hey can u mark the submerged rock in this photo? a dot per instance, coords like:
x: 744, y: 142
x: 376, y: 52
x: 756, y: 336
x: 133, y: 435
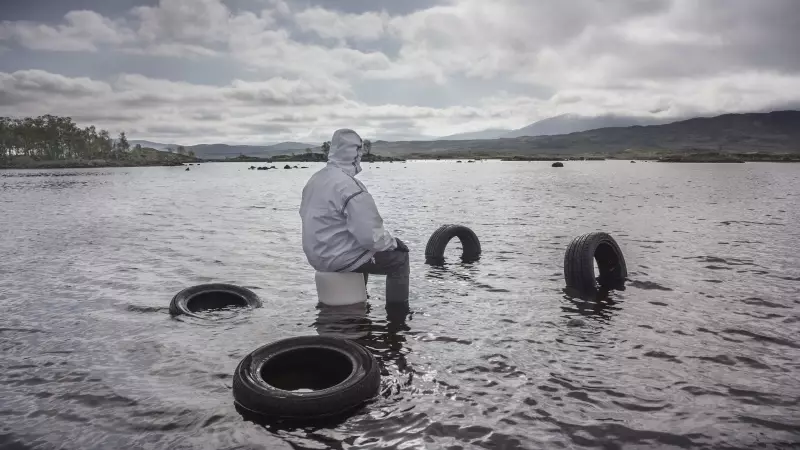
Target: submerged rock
x: 287, y: 167
x: 558, y: 164
x: 576, y: 323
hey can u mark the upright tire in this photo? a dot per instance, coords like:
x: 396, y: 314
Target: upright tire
x: 579, y: 263
x: 305, y: 378
x: 437, y: 243
x: 204, y: 297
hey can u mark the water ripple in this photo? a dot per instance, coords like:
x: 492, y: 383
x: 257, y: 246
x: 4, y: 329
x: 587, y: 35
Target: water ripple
x: 700, y: 351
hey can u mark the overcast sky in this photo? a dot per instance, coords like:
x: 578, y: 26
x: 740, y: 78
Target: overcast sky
x: 255, y: 71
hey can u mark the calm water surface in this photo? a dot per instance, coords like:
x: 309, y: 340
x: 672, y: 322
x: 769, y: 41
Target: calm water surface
x: 702, y: 350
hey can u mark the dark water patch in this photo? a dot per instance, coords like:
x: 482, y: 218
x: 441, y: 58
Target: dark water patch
x: 614, y: 436
x: 648, y: 285
x: 717, y: 260
x: 756, y: 301
x: 758, y: 316
x: 147, y: 309
x: 719, y: 359
x: 762, y: 337
x: 447, y: 339
x: 748, y: 223
x: 699, y: 391
x: 752, y: 362
x: 20, y: 330
x: 94, y: 400
x: 662, y: 355
x: 788, y: 278
x: 762, y: 398
x: 791, y: 426
x: 641, y: 408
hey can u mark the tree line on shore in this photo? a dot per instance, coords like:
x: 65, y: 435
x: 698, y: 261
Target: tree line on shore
x: 54, y: 138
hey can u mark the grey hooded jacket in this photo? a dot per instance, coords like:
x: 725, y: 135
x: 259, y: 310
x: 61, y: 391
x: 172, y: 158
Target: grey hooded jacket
x: 342, y: 228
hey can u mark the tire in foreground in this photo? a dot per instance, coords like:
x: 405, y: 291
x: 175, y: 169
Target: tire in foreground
x: 305, y: 378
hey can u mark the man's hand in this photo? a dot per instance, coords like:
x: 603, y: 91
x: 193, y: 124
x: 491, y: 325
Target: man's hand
x: 401, y: 247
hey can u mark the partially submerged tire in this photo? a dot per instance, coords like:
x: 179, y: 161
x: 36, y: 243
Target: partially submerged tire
x: 579, y: 263
x: 437, y: 243
x: 305, y: 378
x: 215, y: 296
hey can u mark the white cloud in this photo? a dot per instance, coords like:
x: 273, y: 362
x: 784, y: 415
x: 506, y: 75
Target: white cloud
x: 368, y: 26
x: 184, y: 20
x: 38, y: 85
x: 81, y: 31
x: 307, y: 66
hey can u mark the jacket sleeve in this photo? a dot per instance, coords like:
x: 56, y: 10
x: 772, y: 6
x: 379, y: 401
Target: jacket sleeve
x: 366, y: 224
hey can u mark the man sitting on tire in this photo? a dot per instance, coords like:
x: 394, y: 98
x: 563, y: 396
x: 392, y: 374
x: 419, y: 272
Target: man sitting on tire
x: 342, y: 228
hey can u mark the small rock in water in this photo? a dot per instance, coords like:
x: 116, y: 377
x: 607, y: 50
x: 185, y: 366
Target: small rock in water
x: 576, y: 323
x: 287, y: 167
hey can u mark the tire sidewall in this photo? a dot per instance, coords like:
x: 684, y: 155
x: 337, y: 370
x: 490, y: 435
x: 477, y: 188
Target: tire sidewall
x: 253, y: 394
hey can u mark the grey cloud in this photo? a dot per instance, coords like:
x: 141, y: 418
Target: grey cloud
x: 393, y: 7
x: 263, y: 128
x: 174, y: 130
x: 405, y: 68
x: 207, y: 115
x: 24, y: 83
x: 284, y: 92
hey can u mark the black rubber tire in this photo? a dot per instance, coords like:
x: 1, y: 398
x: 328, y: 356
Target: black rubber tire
x: 255, y: 396
x: 232, y: 295
x: 579, y: 263
x: 437, y: 243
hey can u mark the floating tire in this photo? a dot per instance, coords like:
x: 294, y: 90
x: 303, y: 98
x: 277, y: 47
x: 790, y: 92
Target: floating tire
x: 305, y: 378
x: 579, y: 263
x: 204, y: 297
x: 434, y: 251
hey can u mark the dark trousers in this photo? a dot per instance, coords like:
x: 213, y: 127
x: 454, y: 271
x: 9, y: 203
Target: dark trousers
x: 394, y: 265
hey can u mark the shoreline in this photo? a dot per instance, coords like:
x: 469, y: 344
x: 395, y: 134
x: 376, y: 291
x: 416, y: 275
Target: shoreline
x: 684, y: 159
x: 84, y: 164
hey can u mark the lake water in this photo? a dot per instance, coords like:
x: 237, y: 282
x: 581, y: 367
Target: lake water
x: 702, y: 350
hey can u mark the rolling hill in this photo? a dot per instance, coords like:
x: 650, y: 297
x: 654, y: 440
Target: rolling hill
x: 573, y: 123
x: 222, y: 151
x: 774, y: 132
x: 563, y: 124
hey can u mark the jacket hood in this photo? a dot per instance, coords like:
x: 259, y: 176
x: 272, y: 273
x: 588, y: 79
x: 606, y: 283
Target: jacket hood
x: 345, y: 152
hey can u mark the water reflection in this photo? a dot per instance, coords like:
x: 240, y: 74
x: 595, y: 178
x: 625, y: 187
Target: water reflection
x: 598, y: 305
x: 385, y: 338
x: 343, y: 321
x: 465, y: 271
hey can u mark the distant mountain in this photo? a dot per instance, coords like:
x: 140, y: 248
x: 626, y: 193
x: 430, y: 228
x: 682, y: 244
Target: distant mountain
x: 485, y: 134
x: 221, y: 151
x: 563, y: 124
x: 774, y: 132
x: 151, y: 144
x: 573, y: 123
